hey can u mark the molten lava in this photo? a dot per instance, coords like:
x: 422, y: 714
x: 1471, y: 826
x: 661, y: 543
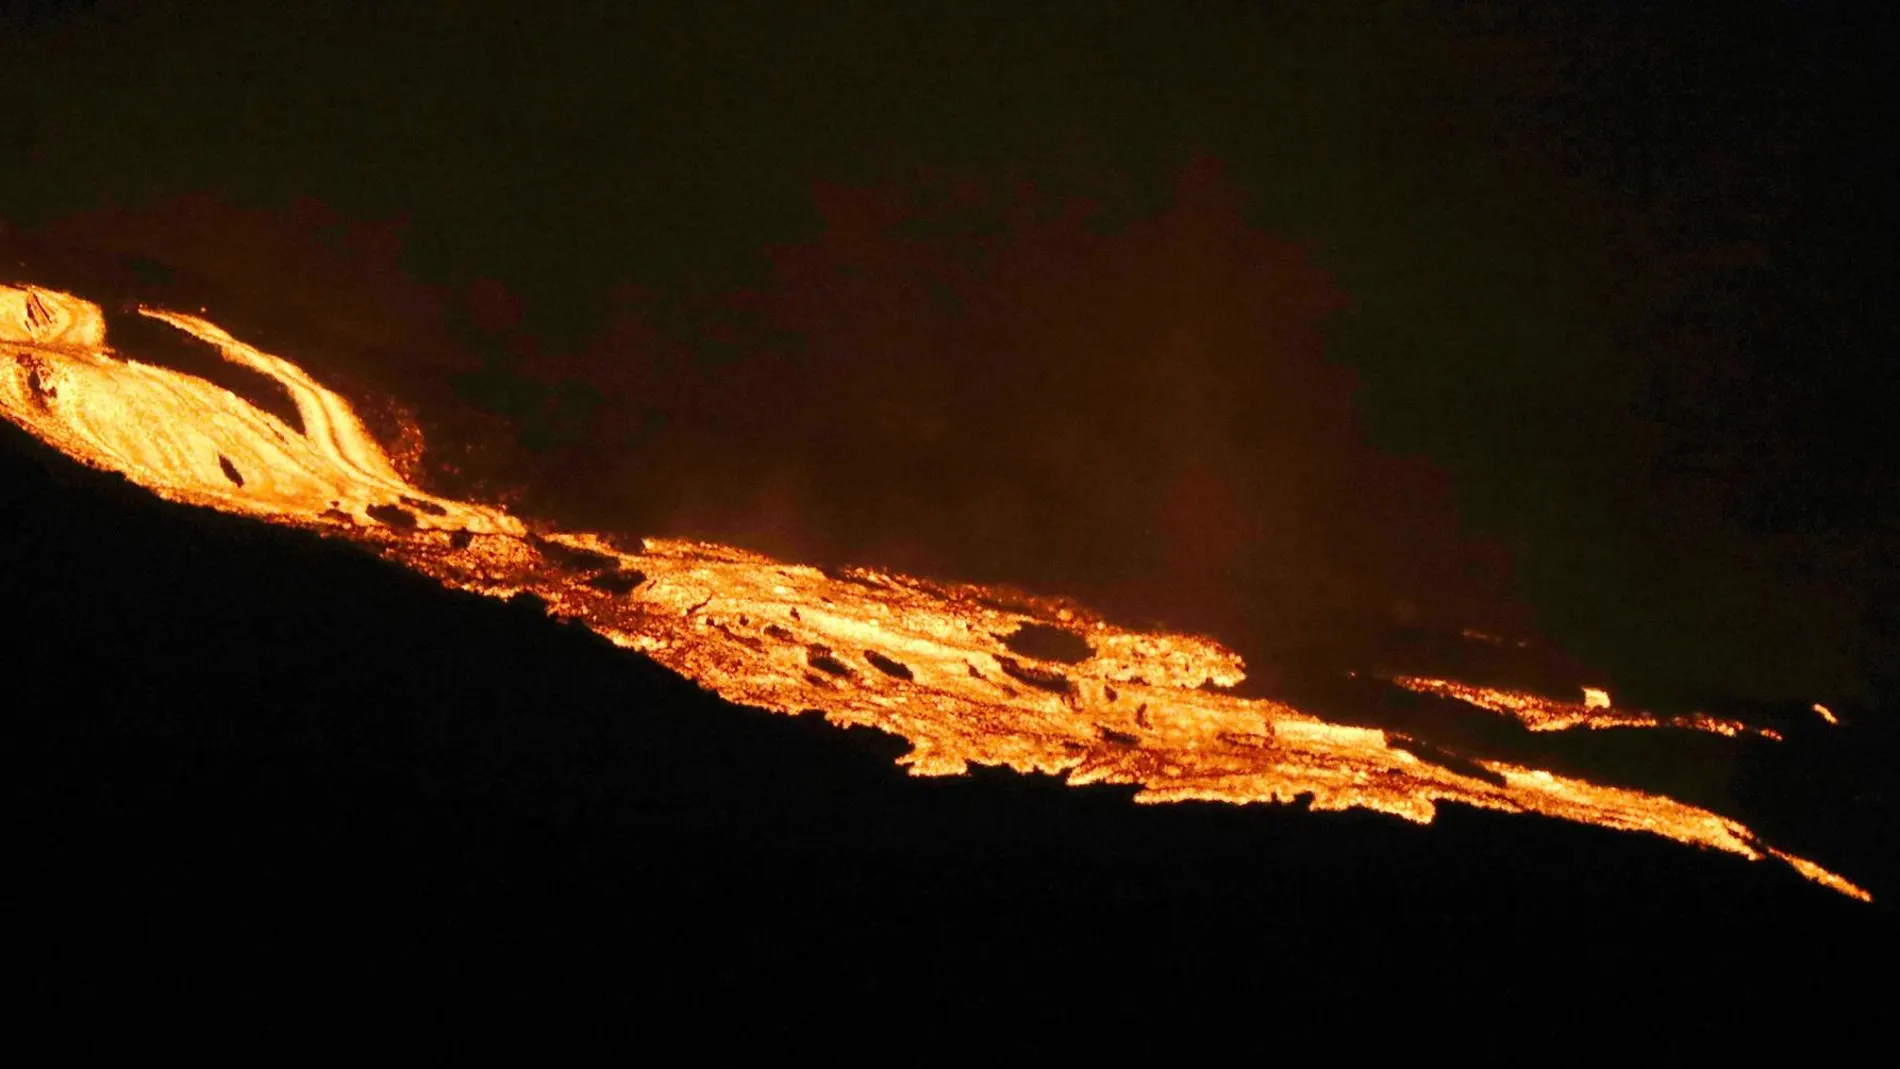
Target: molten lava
x: 926, y: 661
x: 1538, y: 713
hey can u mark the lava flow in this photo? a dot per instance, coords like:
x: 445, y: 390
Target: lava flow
x: 923, y: 660
x: 1538, y: 713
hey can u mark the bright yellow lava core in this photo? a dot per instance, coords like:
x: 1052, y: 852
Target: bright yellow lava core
x: 923, y: 660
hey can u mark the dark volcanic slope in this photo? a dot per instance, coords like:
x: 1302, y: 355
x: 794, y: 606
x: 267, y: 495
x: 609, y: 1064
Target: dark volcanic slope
x: 262, y: 780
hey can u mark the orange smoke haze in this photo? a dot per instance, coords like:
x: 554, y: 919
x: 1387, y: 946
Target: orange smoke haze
x: 947, y: 378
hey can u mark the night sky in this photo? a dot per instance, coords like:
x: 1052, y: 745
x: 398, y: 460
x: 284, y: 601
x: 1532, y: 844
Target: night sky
x: 1286, y: 324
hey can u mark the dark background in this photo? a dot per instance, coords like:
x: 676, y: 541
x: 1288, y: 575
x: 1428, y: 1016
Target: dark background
x: 1301, y: 326
x: 1597, y: 288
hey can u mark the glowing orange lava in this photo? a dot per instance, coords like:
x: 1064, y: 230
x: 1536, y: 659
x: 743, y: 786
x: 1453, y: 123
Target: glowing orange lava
x: 922, y: 660
x: 1539, y: 713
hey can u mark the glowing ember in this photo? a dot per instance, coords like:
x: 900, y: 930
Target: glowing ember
x: 1826, y: 714
x: 926, y: 661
